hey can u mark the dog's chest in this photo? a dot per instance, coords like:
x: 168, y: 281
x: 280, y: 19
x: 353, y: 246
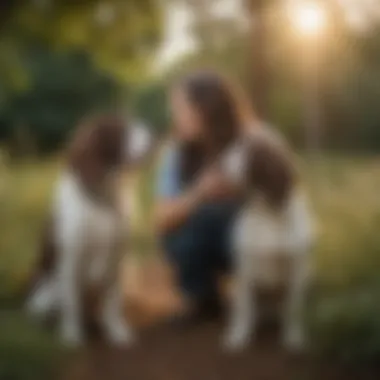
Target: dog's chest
x: 101, y: 223
x: 261, y: 230
x: 101, y: 234
x: 93, y: 227
x: 272, y: 241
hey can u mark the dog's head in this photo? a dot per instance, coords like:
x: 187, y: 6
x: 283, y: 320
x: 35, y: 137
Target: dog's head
x: 262, y: 163
x: 105, y: 144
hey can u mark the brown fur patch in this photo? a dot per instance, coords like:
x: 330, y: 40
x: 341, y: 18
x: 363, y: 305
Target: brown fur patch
x: 97, y: 150
x: 271, y: 171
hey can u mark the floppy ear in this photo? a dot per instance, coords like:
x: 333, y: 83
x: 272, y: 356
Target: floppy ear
x: 84, y: 154
x: 96, y: 149
x: 271, y: 171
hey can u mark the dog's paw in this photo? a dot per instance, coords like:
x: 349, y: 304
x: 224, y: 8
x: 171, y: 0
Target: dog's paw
x: 121, y: 336
x: 294, y: 339
x: 72, y: 338
x: 37, y: 306
x: 235, y: 342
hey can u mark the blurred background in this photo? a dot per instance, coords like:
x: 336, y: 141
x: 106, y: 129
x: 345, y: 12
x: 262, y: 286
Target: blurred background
x: 312, y: 68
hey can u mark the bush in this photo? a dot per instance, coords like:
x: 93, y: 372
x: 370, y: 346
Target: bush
x: 26, y: 352
x: 344, y: 313
x: 149, y: 103
x: 346, y: 326
x: 62, y: 89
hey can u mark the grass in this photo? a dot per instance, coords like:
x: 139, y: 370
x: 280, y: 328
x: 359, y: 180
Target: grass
x: 27, y: 352
x: 344, y: 197
x: 344, y: 315
x: 24, y: 201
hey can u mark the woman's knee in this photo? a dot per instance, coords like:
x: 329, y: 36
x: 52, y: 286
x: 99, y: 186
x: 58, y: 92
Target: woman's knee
x: 181, y: 248
x: 205, y: 231
x: 191, y: 235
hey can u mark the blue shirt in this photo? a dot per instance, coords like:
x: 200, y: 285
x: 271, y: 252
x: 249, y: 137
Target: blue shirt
x: 168, y: 182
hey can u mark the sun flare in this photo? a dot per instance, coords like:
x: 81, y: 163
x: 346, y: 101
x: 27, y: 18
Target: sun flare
x: 308, y: 19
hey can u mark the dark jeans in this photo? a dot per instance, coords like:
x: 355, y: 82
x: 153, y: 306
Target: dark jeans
x: 200, y: 249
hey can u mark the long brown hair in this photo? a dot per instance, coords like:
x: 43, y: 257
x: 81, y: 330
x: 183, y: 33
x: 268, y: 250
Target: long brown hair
x: 223, y: 113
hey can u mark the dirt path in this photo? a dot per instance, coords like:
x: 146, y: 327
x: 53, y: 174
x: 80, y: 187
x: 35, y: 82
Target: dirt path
x: 163, y: 353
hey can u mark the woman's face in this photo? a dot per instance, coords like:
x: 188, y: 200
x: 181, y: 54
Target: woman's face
x: 186, y: 118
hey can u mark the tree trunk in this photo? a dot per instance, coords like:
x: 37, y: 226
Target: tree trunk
x: 259, y: 65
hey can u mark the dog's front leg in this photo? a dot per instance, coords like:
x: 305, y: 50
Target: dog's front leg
x: 242, y: 313
x: 68, y: 267
x: 116, y: 327
x: 294, y: 334
x: 113, y: 311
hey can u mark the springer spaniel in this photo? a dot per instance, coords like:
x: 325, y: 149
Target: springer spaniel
x: 82, y: 244
x: 274, y: 224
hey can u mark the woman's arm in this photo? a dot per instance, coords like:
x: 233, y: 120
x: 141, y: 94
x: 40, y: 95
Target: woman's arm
x: 172, y: 212
x: 174, y: 206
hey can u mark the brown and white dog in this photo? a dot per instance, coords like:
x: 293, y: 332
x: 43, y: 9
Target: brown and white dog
x: 82, y: 241
x: 274, y: 224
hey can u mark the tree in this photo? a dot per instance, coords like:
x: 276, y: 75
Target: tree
x: 60, y: 59
x: 63, y: 88
x: 259, y: 65
x: 121, y: 36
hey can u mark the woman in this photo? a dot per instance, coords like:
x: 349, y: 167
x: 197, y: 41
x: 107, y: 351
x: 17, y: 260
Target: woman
x: 195, y: 204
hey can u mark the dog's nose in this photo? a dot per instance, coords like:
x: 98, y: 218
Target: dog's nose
x: 140, y: 142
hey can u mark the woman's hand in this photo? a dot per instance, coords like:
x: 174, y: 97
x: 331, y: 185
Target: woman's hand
x: 210, y: 186
x: 213, y: 185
